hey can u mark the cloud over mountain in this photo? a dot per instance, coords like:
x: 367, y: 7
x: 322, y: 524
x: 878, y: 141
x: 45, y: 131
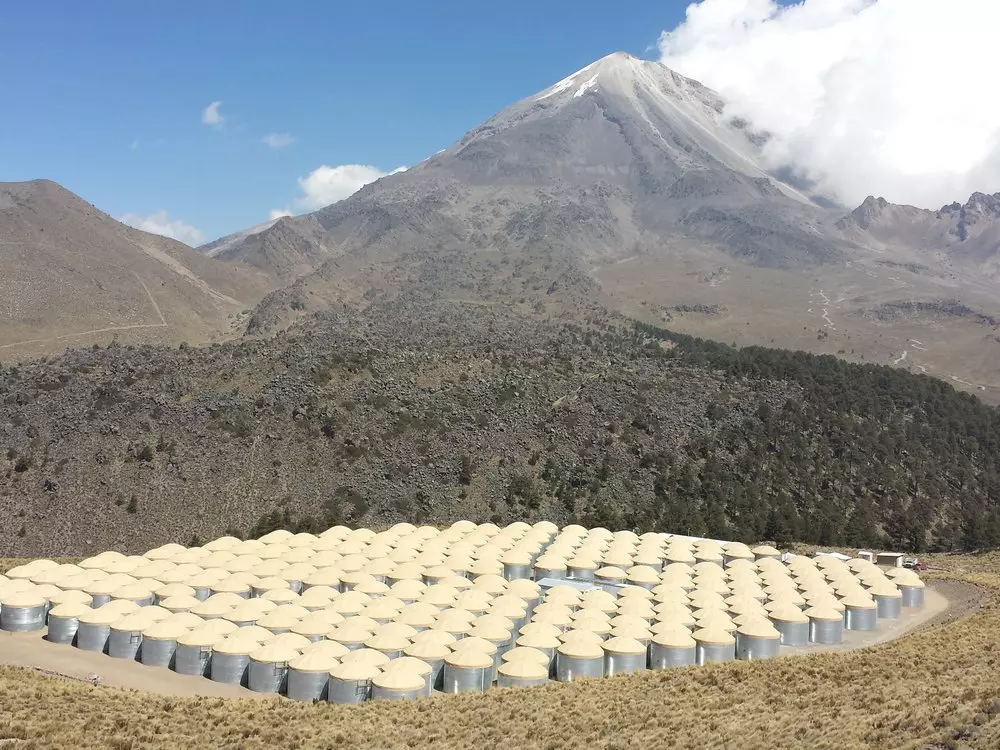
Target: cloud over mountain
x: 863, y: 96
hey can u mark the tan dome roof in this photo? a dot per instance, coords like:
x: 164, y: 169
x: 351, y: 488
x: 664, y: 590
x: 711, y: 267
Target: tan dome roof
x: 470, y: 658
x: 69, y: 610
x: 524, y: 669
x: 400, y: 679
x: 713, y: 636
x: 354, y: 670
x: 675, y: 637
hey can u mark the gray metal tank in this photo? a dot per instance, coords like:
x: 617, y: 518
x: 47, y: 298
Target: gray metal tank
x: 522, y: 673
x: 194, y: 651
x: 159, y: 643
x: 64, y: 621
x: 672, y: 649
x: 792, y: 624
x: 95, y: 629
x: 757, y: 640
x: 231, y: 660
x: 23, y: 612
x: 126, y: 636
x: 624, y: 656
x: 93, y: 637
x: 860, y: 614
x: 549, y: 568
x: 579, y: 659
x: 268, y: 668
x: 516, y: 565
x: 350, y: 684
x: 888, y: 601
x: 398, y: 685
x: 581, y: 570
x: 913, y: 595
x: 467, y: 671
x: 825, y: 625
x: 309, y: 674
x: 713, y: 645
x: 432, y: 654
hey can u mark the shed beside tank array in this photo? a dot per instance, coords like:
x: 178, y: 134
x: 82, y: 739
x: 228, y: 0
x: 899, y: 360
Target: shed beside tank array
x: 351, y: 615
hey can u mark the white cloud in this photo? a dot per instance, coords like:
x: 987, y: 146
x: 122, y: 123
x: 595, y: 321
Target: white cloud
x: 212, y: 116
x: 161, y: 223
x: 326, y: 185
x: 884, y: 97
x: 277, y: 213
x: 278, y: 140
x: 135, y: 145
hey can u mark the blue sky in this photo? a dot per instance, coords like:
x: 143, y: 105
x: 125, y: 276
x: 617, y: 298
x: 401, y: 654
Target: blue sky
x: 108, y: 98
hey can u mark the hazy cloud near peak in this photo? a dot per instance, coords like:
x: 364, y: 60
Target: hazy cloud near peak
x: 278, y: 140
x: 884, y: 97
x: 161, y: 223
x: 212, y: 116
x: 326, y: 185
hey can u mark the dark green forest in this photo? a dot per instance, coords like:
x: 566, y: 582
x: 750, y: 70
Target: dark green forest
x: 868, y: 455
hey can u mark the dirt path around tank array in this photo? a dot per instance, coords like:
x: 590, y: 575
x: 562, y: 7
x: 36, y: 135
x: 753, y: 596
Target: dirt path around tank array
x: 945, y: 601
x: 32, y: 651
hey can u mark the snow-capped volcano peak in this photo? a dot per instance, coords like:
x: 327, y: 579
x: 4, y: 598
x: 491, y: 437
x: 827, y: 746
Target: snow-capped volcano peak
x: 616, y: 64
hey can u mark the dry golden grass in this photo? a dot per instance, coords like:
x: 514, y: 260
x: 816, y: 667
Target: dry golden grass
x: 927, y: 687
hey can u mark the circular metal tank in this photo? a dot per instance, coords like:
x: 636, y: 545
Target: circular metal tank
x: 309, y: 674
x: 351, y: 683
x: 351, y: 634
x: 64, y: 620
x: 231, y: 659
x: 826, y: 625
x: 623, y: 656
x: 861, y: 612
x: 193, y: 655
x: 415, y: 666
x: 766, y: 552
x: 95, y: 627
x: 516, y: 565
x: 398, y: 685
x: 888, y: 600
x: 672, y: 648
x: 268, y: 668
x: 126, y: 635
x: 23, y: 612
x: 159, y: 643
x: 756, y: 640
x: 713, y: 645
x: 390, y: 645
x: 550, y: 567
x: 581, y: 569
x: 467, y: 671
x: 579, y: 659
x: 913, y: 594
x: 432, y: 654
x: 522, y: 673
x: 792, y: 624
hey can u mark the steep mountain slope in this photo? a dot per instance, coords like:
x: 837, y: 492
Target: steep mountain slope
x: 627, y: 186
x: 964, y: 237
x: 71, y: 276
x: 624, y: 157
x: 431, y: 411
x: 282, y: 247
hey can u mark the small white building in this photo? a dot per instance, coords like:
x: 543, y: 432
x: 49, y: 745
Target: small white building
x: 889, y: 559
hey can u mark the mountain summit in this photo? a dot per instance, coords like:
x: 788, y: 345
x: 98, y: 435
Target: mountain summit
x: 628, y: 186
x: 622, y: 157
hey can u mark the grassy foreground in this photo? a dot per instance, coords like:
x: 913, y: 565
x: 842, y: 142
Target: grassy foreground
x: 941, y: 685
